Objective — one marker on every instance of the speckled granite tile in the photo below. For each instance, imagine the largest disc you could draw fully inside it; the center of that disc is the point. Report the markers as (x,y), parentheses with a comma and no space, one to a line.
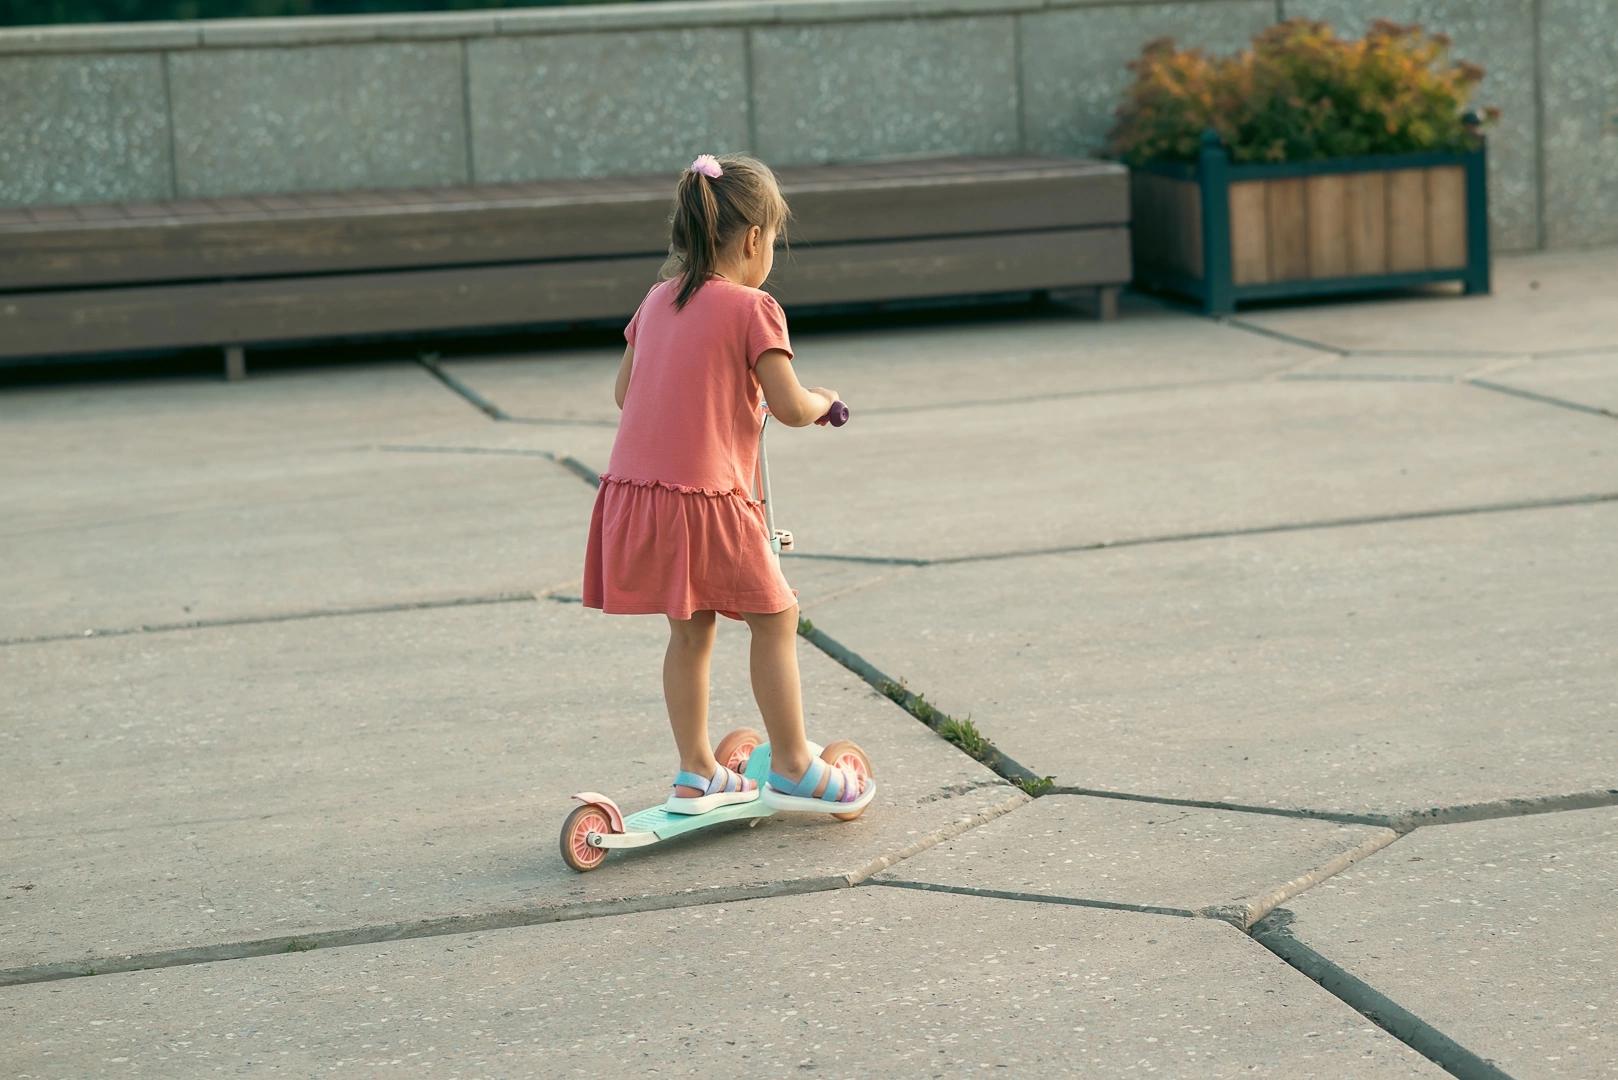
(869,982)
(1497,34)
(602,104)
(1580,53)
(1502,934)
(1074,71)
(83,129)
(887,88)
(1196,860)
(329,117)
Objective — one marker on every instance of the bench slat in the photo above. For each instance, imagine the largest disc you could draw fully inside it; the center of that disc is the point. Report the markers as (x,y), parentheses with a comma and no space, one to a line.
(469,226)
(288,309)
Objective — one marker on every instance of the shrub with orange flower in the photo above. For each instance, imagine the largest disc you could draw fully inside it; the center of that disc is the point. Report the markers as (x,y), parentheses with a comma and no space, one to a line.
(1301,93)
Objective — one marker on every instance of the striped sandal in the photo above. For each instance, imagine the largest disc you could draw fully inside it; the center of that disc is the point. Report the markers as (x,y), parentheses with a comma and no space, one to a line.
(843,794)
(725,788)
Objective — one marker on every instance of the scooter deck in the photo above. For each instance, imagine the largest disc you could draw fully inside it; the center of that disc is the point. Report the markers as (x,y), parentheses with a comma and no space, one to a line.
(665,825)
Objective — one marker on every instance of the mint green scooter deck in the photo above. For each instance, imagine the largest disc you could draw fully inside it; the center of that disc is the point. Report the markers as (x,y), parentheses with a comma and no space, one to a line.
(665,825)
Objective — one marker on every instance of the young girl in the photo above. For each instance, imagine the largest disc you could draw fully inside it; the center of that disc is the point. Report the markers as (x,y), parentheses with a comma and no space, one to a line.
(675,530)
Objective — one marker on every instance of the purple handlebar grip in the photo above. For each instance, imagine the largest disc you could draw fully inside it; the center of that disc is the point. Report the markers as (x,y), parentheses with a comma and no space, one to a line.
(837,415)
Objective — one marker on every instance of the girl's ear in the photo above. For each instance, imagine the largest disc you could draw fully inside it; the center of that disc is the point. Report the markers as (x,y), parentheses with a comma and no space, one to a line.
(755,242)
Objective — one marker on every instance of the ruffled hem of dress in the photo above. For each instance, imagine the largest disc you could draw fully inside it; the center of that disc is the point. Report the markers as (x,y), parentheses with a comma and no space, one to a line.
(684,489)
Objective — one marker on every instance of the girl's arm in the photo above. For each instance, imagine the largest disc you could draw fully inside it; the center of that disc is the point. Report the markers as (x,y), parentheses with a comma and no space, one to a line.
(791,403)
(624,368)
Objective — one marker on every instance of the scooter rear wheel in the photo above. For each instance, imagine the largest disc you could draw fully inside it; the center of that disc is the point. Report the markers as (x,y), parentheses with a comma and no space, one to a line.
(576,830)
(847,754)
(736,747)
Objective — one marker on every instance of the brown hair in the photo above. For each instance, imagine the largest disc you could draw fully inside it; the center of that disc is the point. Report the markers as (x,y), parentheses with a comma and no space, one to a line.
(710,213)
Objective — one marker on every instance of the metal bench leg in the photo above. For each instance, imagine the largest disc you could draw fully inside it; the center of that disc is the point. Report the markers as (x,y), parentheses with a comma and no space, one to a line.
(235,363)
(1107,302)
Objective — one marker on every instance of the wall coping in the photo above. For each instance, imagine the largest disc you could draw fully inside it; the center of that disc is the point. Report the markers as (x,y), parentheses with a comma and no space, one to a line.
(349,29)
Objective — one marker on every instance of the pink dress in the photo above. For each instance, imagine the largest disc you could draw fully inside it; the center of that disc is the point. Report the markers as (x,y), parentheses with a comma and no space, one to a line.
(675,528)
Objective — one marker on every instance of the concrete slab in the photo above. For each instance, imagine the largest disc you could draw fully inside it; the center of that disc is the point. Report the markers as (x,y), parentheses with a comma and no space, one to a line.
(198,788)
(173,501)
(974,481)
(1191,860)
(143,543)
(85,426)
(1517,916)
(873,982)
(1383,669)
(1541,303)
(927,362)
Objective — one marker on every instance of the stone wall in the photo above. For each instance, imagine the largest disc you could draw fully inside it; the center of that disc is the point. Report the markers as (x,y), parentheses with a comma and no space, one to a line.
(233,107)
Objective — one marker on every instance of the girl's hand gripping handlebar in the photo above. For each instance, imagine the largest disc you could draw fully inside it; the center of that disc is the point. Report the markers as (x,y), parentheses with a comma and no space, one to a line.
(836,416)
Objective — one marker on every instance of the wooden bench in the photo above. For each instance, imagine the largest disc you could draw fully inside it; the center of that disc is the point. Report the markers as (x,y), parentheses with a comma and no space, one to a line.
(233,272)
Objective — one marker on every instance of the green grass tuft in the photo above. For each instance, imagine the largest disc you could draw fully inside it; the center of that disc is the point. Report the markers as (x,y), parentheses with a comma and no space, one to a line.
(805,627)
(299,945)
(964,733)
(1037,785)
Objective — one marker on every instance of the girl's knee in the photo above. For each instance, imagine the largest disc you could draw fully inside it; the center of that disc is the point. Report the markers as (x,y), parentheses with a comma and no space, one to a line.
(696,630)
(784,623)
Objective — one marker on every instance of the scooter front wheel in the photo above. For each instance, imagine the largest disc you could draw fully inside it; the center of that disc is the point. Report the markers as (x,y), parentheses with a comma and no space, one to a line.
(577,851)
(848,755)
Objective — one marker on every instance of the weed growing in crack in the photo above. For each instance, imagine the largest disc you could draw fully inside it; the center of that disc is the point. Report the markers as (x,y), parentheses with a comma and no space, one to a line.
(805,627)
(923,710)
(1037,785)
(895,692)
(299,945)
(965,734)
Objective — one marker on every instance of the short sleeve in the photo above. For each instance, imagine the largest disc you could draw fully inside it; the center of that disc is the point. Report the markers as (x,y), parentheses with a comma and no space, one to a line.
(634,322)
(767,330)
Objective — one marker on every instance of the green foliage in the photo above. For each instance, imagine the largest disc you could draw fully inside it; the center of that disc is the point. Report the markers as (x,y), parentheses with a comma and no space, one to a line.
(805,627)
(1300,93)
(964,733)
(1037,785)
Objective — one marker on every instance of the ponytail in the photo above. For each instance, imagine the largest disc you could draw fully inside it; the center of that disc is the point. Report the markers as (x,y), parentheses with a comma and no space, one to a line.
(716,199)
(696,232)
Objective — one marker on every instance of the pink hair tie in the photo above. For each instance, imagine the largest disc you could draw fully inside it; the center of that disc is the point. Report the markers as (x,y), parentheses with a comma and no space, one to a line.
(708,166)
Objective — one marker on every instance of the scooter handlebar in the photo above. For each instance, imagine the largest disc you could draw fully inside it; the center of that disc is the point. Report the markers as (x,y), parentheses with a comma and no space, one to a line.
(836,416)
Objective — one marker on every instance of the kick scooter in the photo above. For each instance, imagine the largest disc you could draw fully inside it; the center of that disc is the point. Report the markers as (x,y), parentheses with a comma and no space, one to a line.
(597,826)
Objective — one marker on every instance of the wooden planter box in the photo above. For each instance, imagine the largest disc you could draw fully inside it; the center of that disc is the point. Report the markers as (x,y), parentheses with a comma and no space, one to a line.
(1224,233)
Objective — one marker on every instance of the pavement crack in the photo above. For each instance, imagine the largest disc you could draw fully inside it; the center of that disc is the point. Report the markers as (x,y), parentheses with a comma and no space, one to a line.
(1289,527)
(1543,399)
(1035,898)
(1278,335)
(478,401)
(1274,932)
(1064,395)
(1384,821)
(202,883)
(1242,914)
(534,915)
(1503,808)
(959,733)
(1364,376)
(279,617)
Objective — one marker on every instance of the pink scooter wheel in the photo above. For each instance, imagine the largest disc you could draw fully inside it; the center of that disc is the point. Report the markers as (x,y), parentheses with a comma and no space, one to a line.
(849,756)
(576,849)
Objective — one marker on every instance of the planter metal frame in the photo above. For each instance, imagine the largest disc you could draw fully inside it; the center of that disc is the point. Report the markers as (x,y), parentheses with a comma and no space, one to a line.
(1214,173)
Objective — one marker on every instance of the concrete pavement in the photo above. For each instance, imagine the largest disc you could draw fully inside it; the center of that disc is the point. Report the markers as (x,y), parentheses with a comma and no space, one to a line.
(1309,616)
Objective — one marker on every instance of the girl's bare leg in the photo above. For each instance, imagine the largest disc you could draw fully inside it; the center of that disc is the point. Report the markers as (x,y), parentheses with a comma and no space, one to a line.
(778,690)
(685,691)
